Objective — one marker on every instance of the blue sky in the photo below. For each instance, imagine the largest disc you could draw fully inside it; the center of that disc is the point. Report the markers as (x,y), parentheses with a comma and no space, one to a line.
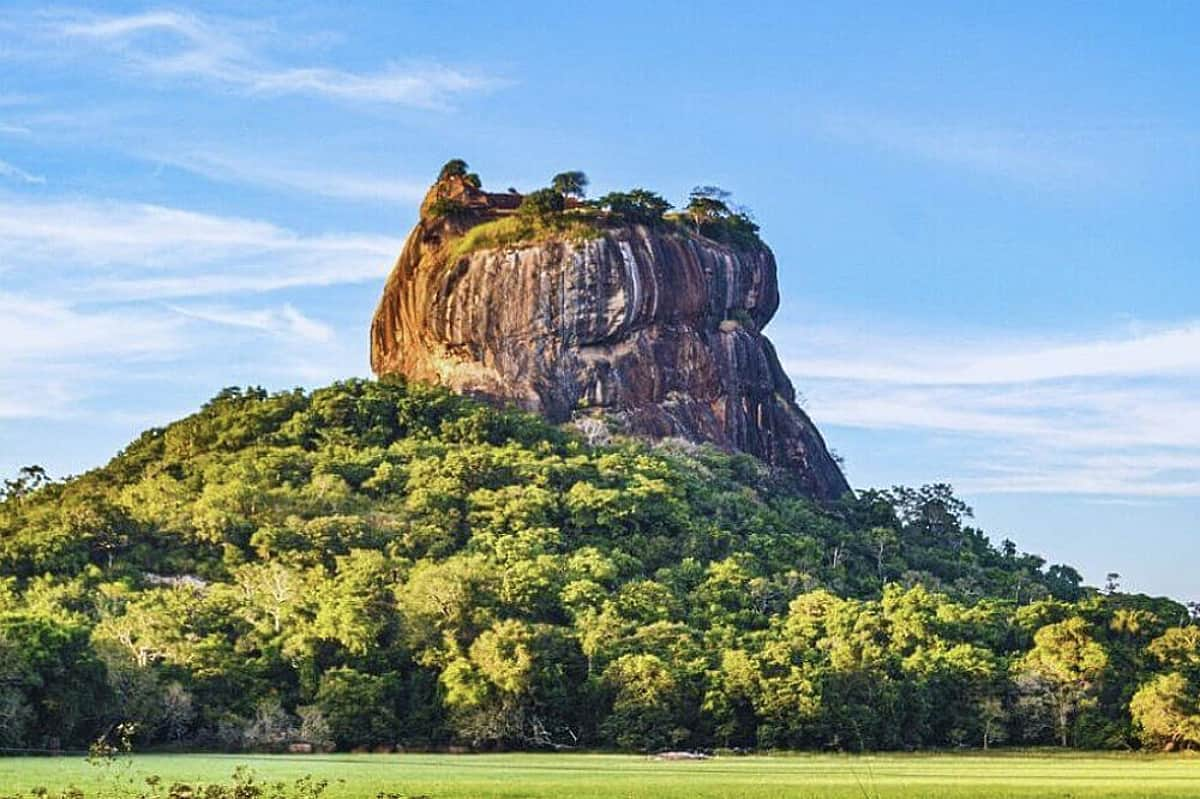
(984,217)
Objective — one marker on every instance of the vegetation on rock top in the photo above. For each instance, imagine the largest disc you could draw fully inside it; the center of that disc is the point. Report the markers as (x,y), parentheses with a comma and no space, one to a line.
(561,211)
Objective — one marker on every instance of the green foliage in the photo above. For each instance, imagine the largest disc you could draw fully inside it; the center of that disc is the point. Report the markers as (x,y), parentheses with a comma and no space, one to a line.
(447,208)
(636,206)
(712,216)
(454,168)
(382,563)
(570,184)
(541,205)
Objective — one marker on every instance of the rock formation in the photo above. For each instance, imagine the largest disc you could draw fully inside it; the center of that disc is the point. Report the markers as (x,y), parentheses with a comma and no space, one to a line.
(654,328)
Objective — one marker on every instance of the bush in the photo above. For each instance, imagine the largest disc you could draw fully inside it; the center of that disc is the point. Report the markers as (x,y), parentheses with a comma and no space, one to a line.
(542,204)
(637,206)
(446,208)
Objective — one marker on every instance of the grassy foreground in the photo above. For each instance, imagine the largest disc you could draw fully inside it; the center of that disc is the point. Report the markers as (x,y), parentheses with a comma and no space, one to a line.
(603,776)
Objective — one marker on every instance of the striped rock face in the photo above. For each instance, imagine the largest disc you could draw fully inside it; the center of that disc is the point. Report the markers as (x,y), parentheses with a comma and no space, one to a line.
(658,331)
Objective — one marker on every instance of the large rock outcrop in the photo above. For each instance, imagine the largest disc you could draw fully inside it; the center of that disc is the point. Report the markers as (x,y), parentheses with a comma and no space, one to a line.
(655,328)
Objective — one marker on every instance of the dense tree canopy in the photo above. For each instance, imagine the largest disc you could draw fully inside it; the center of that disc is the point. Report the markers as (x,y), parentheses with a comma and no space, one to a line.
(378,563)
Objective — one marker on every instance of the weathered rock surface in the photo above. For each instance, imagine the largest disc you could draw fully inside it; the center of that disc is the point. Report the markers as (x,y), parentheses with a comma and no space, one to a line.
(657,329)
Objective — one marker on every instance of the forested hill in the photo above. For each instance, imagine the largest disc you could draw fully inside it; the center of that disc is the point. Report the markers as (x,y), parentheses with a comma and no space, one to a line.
(377,563)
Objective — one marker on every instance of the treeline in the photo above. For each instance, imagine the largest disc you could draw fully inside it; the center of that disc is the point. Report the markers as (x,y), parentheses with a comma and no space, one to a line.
(378,564)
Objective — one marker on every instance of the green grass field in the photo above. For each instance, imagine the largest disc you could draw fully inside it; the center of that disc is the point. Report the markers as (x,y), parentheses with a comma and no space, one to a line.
(608,776)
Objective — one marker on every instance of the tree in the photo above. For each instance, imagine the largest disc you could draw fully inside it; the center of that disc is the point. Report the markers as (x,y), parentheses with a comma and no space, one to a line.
(570,184)
(712,216)
(270,594)
(730,699)
(992,717)
(28,480)
(705,210)
(636,206)
(359,709)
(1064,582)
(645,705)
(1178,649)
(1167,712)
(1069,663)
(454,168)
(272,726)
(1112,583)
(490,689)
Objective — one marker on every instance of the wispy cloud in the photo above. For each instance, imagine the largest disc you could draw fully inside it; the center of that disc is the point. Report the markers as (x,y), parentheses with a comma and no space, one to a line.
(174,45)
(34,329)
(283,321)
(124,251)
(1163,350)
(7,170)
(320,182)
(100,297)
(1038,156)
(1111,415)
(53,354)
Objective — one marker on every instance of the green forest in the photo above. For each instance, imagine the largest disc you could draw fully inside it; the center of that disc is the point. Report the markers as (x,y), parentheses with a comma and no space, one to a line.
(382,564)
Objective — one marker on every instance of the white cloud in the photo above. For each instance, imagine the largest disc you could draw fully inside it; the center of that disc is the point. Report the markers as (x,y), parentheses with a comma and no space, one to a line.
(109,267)
(35,330)
(7,170)
(324,183)
(1113,415)
(125,251)
(283,321)
(52,355)
(171,44)
(1166,350)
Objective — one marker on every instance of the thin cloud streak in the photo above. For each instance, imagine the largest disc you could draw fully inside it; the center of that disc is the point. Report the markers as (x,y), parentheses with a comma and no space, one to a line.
(1113,416)
(128,251)
(323,183)
(7,170)
(171,44)
(1173,350)
(283,321)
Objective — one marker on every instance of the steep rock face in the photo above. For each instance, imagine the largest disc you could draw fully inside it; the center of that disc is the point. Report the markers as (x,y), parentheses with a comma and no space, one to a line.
(657,329)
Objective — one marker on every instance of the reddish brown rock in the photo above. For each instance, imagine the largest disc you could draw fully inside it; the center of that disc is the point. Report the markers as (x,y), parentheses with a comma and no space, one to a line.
(657,329)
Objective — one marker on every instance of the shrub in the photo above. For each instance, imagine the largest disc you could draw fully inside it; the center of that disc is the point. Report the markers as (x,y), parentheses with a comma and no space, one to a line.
(447,208)
(636,206)
(541,204)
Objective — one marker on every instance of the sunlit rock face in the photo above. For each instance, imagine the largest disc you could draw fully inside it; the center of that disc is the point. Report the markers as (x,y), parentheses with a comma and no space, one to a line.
(656,330)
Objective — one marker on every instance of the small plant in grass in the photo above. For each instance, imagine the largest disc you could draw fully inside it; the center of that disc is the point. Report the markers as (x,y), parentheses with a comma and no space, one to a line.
(111,753)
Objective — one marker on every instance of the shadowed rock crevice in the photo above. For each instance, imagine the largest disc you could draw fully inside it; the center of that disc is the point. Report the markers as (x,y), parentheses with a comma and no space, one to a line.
(655,328)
